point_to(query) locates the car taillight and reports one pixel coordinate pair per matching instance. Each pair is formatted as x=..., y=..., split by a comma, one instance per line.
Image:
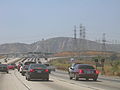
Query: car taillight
x=81, y=71
x=46, y=70
x=96, y=71
x=32, y=70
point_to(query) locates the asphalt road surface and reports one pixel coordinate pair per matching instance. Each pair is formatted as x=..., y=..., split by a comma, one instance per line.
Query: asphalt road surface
x=58, y=81
x=15, y=81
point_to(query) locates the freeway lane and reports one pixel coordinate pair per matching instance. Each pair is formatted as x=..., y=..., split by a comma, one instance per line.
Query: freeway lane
x=59, y=80
x=106, y=84
x=8, y=82
x=15, y=81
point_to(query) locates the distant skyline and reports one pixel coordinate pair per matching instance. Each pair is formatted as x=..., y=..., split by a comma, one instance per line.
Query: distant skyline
x=28, y=21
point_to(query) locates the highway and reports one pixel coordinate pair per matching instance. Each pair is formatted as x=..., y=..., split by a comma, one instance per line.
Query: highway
x=59, y=80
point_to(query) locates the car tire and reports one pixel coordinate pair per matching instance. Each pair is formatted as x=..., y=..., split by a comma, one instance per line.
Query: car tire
x=29, y=79
x=47, y=79
x=22, y=74
x=76, y=78
x=26, y=78
x=87, y=79
x=94, y=79
x=50, y=72
x=71, y=78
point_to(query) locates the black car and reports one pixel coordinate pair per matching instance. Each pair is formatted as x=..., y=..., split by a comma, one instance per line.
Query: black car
x=4, y=68
x=37, y=71
x=83, y=71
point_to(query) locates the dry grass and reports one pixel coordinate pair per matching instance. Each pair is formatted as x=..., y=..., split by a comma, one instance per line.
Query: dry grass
x=63, y=64
x=61, y=54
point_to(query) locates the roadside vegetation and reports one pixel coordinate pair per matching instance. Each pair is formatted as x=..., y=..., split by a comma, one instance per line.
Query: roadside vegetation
x=2, y=57
x=111, y=65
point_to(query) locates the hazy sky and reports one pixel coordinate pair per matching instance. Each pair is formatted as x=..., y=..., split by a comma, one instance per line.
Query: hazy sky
x=31, y=20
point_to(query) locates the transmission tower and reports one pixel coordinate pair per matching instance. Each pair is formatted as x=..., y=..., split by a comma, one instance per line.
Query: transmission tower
x=75, y=39
x=81, y=34
x=43, y=45
x=104, y=44
x=75, y=32
x=80, y=44
x=84, y=39
x=84, y=32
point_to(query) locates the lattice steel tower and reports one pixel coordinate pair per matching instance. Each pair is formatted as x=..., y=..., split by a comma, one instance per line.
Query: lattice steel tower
x=104, y=44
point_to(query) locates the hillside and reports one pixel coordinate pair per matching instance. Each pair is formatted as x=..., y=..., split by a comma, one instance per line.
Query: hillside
x=61, y=44
x=58, y=44
x=14, y=48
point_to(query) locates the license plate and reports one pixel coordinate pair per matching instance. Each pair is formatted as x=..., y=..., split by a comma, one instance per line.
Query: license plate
x=39, y=71
x=88, y=72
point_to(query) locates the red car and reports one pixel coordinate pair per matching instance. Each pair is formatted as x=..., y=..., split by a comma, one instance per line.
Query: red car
x=83, y=71
x=11, y=66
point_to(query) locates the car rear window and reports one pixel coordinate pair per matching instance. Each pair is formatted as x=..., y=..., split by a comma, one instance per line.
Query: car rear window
x=26, y=66
x=38, y=66
x=85, y=67
x=47, y=64
x=27, y=63
x=3, y=65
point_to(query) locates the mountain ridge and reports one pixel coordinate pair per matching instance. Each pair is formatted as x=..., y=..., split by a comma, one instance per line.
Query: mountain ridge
x=57, y=44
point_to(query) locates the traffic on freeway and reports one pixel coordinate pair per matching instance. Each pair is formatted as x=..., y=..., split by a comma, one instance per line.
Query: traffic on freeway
x=59, y=44
x=37, y=77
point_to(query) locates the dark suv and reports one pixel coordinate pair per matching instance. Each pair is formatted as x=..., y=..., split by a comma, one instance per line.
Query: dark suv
x=4, y=68
x=83, y=71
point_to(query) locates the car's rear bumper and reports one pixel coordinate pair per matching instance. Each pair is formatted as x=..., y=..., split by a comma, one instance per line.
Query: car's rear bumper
x=39, y=75
x=24, y=71
x=11, y=67
x=3, y=70
x=87, y=75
